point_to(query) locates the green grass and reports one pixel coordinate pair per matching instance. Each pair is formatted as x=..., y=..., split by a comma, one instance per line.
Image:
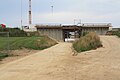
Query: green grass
x=36, y=43
x=88, y=42
x=17, y=43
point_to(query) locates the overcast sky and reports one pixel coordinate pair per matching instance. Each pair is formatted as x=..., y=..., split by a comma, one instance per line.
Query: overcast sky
x=65, y=11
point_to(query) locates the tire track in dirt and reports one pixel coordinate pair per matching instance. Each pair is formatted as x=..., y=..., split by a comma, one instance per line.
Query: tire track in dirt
x=56, y=63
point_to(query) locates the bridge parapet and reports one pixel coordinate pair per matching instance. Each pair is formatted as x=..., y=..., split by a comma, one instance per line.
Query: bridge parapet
x=48, y=25
x=97, y=25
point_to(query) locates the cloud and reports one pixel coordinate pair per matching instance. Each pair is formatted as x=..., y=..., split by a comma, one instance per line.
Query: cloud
x=65, y=11
x=67, y=17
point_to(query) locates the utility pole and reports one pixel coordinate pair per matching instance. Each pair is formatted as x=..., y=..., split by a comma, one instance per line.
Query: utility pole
x=30, y=13
x=52, y=7
x=79, y=21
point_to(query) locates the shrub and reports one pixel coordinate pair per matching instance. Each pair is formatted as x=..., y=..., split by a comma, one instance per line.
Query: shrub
x=87, y=42
x=45, y=42
x=117, y=33
x=33, y=34
x=3, y=55
x=14, y=32
x=84, y=33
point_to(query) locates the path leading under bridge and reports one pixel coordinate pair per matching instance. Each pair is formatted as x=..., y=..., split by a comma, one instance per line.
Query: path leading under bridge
x=56, y=63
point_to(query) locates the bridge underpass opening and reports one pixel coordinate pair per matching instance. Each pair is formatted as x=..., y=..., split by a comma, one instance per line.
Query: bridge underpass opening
x=71, y=35
x=61, y=33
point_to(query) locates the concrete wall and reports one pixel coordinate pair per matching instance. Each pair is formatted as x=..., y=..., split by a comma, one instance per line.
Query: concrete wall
x=53, y=33
x=59, y=33
x=98, y=30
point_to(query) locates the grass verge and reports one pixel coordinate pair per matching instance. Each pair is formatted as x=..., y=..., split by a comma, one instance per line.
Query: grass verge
x=87, y=42
x=17, y=43
x=35, y=43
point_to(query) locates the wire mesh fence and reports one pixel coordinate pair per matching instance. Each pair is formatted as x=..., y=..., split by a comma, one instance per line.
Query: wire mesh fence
x=4, y=43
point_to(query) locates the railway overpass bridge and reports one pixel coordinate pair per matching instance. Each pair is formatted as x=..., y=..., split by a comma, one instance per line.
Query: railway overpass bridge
x=61, y=32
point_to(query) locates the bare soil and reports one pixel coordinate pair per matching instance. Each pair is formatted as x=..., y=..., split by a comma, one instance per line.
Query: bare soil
x=17, y=54
x=56, y=63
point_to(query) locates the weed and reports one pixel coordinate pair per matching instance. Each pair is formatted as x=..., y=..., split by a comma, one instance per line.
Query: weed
x=87, y=42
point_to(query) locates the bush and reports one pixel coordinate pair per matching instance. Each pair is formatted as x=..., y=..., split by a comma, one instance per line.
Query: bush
x=117, y=33
x=44, y=42
x=14, y=32
x=33, y=34
x=3, y=55
x=84, y=33
x=87, y=42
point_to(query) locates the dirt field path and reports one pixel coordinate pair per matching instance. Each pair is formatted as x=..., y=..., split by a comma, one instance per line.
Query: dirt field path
x=56, y=63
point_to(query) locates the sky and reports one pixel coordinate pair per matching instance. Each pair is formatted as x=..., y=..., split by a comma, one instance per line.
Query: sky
x=64, y=12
